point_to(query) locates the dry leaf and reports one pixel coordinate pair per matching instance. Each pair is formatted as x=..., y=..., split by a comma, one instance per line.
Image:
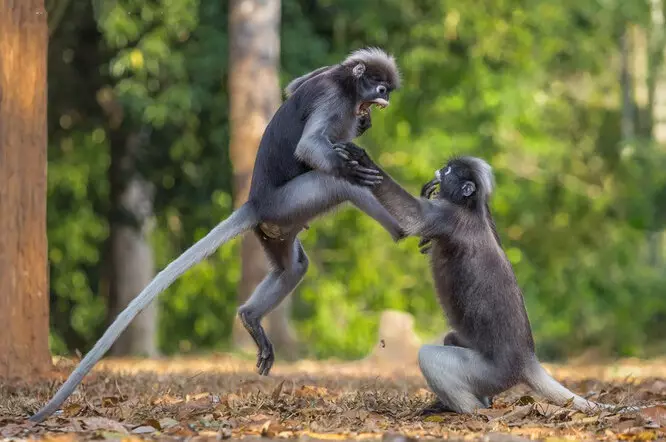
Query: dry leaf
x=110, y=401
x=517, y=414
x=655, y=414
x=434, y=418
x=100, y=423
x=167, y=422
x=276, y=392
x=525, y=400
x=307, y=391
x=144, y=429
x=71, y=410
x=153, y=423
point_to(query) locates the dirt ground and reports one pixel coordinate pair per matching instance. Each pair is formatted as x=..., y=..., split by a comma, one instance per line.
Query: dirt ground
x=220, y=397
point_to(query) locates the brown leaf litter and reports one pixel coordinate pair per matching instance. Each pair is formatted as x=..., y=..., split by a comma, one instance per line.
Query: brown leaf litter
x=220, y=397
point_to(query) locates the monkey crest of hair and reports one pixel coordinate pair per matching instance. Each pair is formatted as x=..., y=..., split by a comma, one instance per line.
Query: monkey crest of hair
x=379, y=59
x=482, y=173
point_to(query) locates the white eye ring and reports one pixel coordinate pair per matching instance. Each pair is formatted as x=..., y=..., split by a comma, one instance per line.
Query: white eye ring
x=447, y=171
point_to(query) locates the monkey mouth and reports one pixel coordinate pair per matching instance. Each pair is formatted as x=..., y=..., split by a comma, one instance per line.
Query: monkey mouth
x=431, y=188
x=364, y=107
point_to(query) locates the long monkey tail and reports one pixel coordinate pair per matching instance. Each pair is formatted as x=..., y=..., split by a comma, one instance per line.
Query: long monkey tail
x=242, y=220
x=540, y=381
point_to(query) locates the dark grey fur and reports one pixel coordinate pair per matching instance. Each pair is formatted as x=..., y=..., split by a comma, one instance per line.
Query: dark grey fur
x=491, y=347
x=297, y=176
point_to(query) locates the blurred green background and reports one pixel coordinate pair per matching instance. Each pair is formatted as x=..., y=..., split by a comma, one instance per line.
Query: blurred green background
x=535, y=87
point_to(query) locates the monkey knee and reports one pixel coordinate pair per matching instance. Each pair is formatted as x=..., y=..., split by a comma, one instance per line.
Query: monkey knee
x=431, y=365
x=247, y=313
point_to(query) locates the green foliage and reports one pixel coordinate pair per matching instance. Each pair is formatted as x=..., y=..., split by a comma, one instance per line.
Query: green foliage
x=532, y=86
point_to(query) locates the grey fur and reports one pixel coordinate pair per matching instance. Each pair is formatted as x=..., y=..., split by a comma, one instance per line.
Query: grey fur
x=298, y=82
x=491, y=348
x=297, y=177
x=376, y=57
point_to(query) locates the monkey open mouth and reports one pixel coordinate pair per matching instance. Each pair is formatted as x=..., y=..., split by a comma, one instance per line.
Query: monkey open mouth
x=364, y=107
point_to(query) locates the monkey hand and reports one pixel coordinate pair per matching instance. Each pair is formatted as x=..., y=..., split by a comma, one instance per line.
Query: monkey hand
x=351, y=170
x=352, y=152
x=425, y=244
x=364, y=122
x=429, y=189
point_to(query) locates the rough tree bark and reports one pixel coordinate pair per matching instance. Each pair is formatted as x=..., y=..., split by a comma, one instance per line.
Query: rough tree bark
x=254, y=91
x=24, y=303
x=130, y=262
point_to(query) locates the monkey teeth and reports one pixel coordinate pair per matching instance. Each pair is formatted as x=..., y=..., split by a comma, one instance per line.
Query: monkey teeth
x=364, y=108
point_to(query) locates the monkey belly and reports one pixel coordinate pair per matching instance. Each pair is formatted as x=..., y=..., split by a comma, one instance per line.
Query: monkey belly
x=275, y=232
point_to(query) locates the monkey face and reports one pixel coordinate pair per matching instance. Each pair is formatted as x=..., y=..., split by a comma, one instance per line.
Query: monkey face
x=372, y=91
x=454, y=182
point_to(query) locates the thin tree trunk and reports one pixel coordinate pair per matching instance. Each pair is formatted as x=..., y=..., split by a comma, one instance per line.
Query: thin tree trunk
x=24, y=295
x=254, y=91
x=657, y=106
x=130, y=259
x=628, y=126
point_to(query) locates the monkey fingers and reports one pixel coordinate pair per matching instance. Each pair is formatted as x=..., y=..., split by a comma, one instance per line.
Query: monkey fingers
x=425, y=244
x=265, y=354
x=429, y=188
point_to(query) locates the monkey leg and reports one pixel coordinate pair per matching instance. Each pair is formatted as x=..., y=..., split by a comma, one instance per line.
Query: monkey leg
x=314, y=193
x=290, y=263
x=454, y=339
x=461, y=378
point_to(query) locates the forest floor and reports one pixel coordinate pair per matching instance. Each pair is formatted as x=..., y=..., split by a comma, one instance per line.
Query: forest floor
x=220, y=397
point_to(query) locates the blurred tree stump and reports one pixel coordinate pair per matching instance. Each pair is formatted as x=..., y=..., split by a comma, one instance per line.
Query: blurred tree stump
x=24, y=293
x=398, y=345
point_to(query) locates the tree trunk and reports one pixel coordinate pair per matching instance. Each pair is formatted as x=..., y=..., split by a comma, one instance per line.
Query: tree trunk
x=254, y=53
x=24, y=302
x=130, y=259
x=657, y=106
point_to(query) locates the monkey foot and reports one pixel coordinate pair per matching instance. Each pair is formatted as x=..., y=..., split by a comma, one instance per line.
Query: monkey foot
x=265, y=355
x=265, y=359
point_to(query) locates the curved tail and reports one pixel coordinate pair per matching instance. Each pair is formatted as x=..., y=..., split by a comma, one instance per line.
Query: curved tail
x=540, y=381
x=242, y=220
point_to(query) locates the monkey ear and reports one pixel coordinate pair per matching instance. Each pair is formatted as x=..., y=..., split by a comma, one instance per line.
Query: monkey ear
x=468, y=188
x=358, y=70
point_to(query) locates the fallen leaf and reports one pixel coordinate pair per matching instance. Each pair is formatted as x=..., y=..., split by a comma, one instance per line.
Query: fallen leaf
x=525, y=400
x=491, y=413
x=638, y=435
x=72, y=410
x=167, y=422
x=307, y=391
x=153, y=423
x=113, y=435
x=110, y=401
x=100, y=423
x=516, y=414
x=144, y=429
x=434, y=418
x=276, y=392
x=271, y=429
x=655, y=414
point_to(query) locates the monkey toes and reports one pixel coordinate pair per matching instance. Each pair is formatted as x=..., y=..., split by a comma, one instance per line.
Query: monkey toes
x=265, y=358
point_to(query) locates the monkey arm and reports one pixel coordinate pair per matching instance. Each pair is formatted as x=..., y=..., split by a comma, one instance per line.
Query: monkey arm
x=316, y=150
x=418, y=216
